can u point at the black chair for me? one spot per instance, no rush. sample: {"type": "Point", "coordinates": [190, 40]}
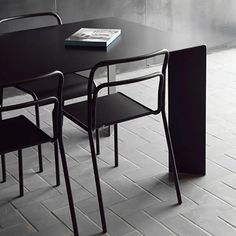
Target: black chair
{"type": "Point", "coordinates": [18, 132]}
{"type": "Point", "coordinates": [74, 86]}
{"type": "Point", "coordinates": [111, 109]}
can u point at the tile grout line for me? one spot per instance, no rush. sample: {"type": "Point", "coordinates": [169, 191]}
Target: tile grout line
{"type": "Point", "coordinates": [183, 216]}
{"type": "Point", "coordinates": [26, 219]}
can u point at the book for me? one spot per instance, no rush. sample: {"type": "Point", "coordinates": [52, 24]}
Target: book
{"type": "Point", "coordinates": [92, 37]}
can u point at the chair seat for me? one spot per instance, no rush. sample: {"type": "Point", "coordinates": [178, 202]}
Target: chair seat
{"type": "Point", "coordinates": [74, 86]}
{"type": "Point", "coordinates": [111, 109]}
{"type": "Point", "coordinates": [21, 133]}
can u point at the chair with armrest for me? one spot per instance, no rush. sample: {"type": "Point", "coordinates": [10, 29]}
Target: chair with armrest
{"type": "Point", "coordinates": [112, 109]}
{"type": "Point", "coordinates": [18, 132]}
{"type": "Point", "coordinates": [74, 85]}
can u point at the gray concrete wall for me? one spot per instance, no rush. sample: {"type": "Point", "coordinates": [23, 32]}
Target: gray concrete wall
{"type": "Point", "coordinates": [209, 21]}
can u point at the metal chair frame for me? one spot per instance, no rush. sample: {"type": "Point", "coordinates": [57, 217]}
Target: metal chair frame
{"type": "Point", "coordinates": [55, 15]}
{"type": "Point", "coordinates": [57, 135]}
{"type": "Point", "coordinates": [36, 94]}
{"type": "Point", "coordinates": [91, 122]}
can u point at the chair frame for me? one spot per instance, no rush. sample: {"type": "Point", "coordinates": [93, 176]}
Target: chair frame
{"type": "Point", "coordinates": [40, 102]}
{"type": "Point", "coordinates": [92, 126]}
{"type": "Point", "coordinates": [55, 15]}
{"type": "Point", "coordinates": [34, 96]}
{"type": "Point", "coordinates": [57, 135]}
{"type": "Point", "coordinates": [92, 100]}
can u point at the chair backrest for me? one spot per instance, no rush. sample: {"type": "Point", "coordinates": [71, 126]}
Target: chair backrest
{"type": "Point", "coordinates": [30, 24]}
{"type": "Point", "coordinates": [160, 73]}
{"type": "Point", "coordinates": [56, 100]}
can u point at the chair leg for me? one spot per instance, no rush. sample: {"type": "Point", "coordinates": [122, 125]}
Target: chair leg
{"type": "Point", "coordinates": [172, 157]}
{"type": "Point", "coordinates": [57, 166]}
{"type": "Point", "coordinates": [20, 166]}
{"type": "Point", "coordinates": [1, 96]}
{"type": "Point", "coordinates": [116, 144]}
{"type": "Point", "coordinates": [68, 186]}
{"type": "Point", "coordinates": [39, 146]}
{"type": "Point", "coordinates": [1, 101]}
{"type": "Point", "coordinates": [97, 181]}
{"type": "Point", "coordinates": [2, 156]}
{"type": "Point", "coordinates": [3, 168]}
{"type": "Point", "coordinates": [97, 142]}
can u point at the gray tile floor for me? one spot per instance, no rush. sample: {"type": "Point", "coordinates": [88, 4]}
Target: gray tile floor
{"type": "Point", "coordinates": [139, 196]}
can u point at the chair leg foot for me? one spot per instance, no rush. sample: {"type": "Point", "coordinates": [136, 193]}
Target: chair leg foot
{"type": "Point", "coordinates": [172, 158]}
{"type": "Point", "coordinates": [97, 181]}
{"type": "Point", "coordinates": [20, 166]}
{"type": "Point", "coordinates": [57, 166]}
{"type": "Point", "coordinates": [97, 141]}
{"type": "Point", "coordinates": [68, 186]}
{"type": "Point", "coordinates": [40, 159]}
{"type": "Point", "coordinates": [116, 145]}
{"type": "Point", "coordinates": [2, 156]}
{"type": "Point", "coordinates": [3, 168]}
{"type": "Point", "coordinates": [39, 146]}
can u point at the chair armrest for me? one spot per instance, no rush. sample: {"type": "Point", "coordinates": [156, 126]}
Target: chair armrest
{"type": "Point", "coordinates": [135, 80]}
{"type": "Point", "coordinates": [41, 102]}
{"type": "Point", "coordinates": [55, 15]}
{"type": "Point", "coordinates": [128, 81]}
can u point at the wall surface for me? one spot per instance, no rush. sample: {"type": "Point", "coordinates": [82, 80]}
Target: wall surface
{"type": "Point", "coordinates": [212, 22]}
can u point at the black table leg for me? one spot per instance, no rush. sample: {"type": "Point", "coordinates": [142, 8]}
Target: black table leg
{"type": "Point", "coordinates": [187, 108]}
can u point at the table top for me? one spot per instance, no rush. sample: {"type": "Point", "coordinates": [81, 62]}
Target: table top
{"type": "Point", "coordinates": [26, 54]}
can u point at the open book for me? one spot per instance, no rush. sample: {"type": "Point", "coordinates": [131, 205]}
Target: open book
{"type": "Point", "coordinates": [93, 37]}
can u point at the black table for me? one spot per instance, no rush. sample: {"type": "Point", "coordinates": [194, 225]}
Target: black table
{"type": "Point", "coordinates": [25, 54]}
